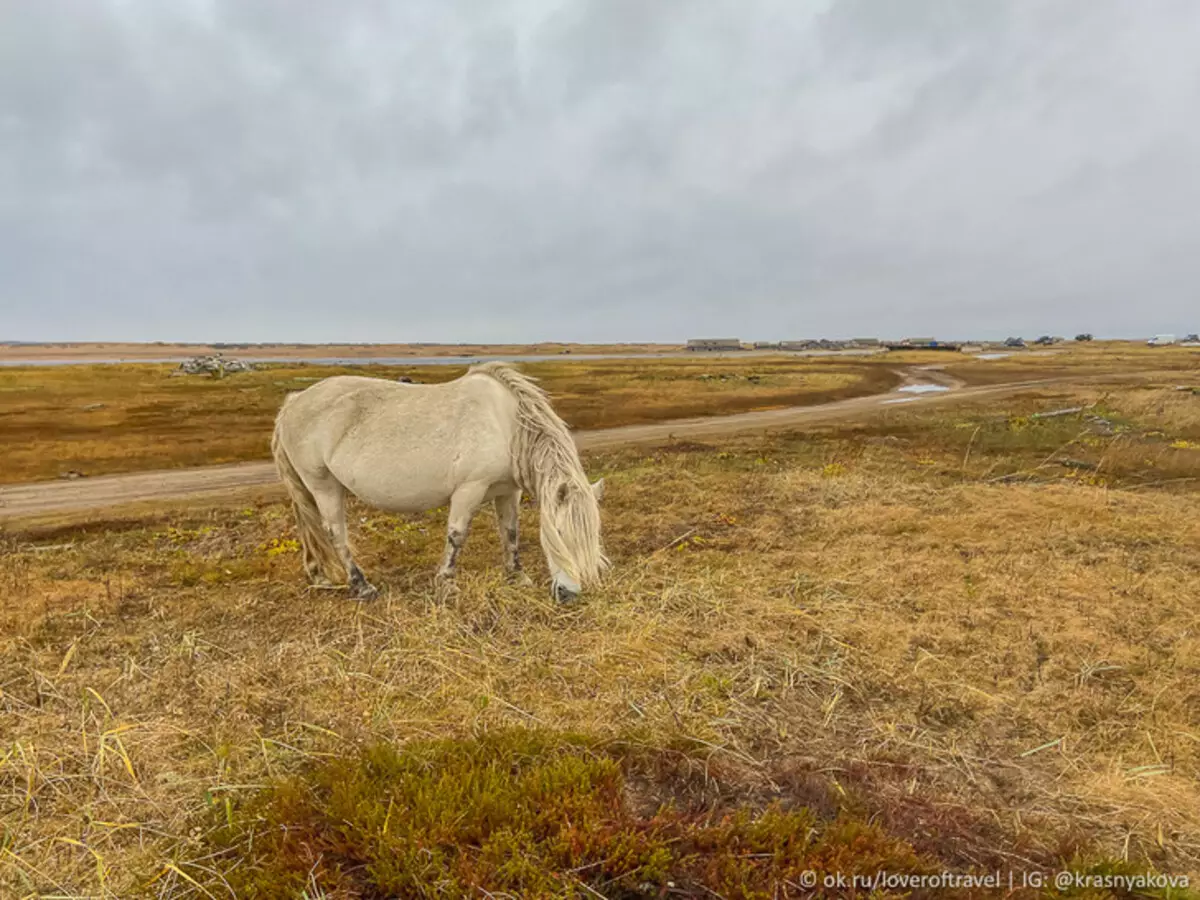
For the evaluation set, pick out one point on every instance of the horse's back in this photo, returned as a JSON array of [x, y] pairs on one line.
[[370, 433], [327, 390], [329, 403]]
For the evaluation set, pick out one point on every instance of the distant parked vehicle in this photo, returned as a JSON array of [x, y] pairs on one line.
[[1083, 337], [1161, 340], [1045, 340], [1191, 339], [714, 344], [1014, 342]]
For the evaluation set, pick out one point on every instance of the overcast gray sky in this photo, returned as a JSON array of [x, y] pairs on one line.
[[597, 169]]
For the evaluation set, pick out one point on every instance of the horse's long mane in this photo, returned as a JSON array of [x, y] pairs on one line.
[[548, 466]]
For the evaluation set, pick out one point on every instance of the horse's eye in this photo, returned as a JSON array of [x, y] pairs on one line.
[[562, 493]]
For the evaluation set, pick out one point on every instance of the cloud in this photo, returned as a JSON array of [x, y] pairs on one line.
[[596, 169]]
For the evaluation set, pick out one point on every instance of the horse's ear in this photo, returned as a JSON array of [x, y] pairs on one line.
[[598, 490]]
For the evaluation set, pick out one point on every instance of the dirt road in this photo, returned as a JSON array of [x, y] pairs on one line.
[[38, 499]]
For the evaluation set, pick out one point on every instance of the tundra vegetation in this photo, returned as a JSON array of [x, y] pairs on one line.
[[101, 419], [960, 637]]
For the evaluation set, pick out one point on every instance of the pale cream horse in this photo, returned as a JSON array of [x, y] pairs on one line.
[[408, 448]]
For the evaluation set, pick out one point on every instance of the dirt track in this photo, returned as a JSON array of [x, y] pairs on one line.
[[23, 501]]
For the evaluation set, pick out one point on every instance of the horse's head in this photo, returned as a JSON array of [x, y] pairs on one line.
[[570, 532]]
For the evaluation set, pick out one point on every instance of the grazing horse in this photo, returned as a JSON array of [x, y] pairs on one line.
[[408, 448]]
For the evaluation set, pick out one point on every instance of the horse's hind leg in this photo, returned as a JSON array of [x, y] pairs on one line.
[[508, 512], [464, 503], [331, 501], [312, 567]]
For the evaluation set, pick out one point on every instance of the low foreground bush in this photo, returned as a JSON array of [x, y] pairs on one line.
[[535, 814]]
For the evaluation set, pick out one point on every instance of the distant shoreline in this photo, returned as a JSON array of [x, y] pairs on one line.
[[85, 353], [588, 355], [135, 352]]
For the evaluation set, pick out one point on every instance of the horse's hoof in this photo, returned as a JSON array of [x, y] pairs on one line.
[[520, 579], [564, 594], [366, 593]]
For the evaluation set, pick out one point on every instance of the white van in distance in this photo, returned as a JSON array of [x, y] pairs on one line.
[[1161, 340]]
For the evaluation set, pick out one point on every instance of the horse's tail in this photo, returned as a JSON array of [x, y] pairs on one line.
[[547, 465], [313, 536]]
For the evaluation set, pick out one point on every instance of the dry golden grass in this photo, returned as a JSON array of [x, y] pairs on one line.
[[1095, 358], [995, 657], [100, 419], [115, 418]]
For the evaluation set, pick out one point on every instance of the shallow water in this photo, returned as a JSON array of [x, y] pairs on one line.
[[441, 360], [350, 360], [923, 388]]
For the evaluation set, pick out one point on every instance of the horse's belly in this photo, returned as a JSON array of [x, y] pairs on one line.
[[413, 488], [406, 469], [402, 498]]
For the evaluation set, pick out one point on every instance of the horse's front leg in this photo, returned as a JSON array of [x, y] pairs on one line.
[[508, 517], [464, 503]]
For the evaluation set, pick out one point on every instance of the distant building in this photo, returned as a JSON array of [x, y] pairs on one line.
[[923, 343], [713, 344], [793, 346], [766, 345], [864, 342]]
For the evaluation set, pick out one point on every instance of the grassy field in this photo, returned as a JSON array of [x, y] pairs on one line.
[[961, 638], [100, 419]]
